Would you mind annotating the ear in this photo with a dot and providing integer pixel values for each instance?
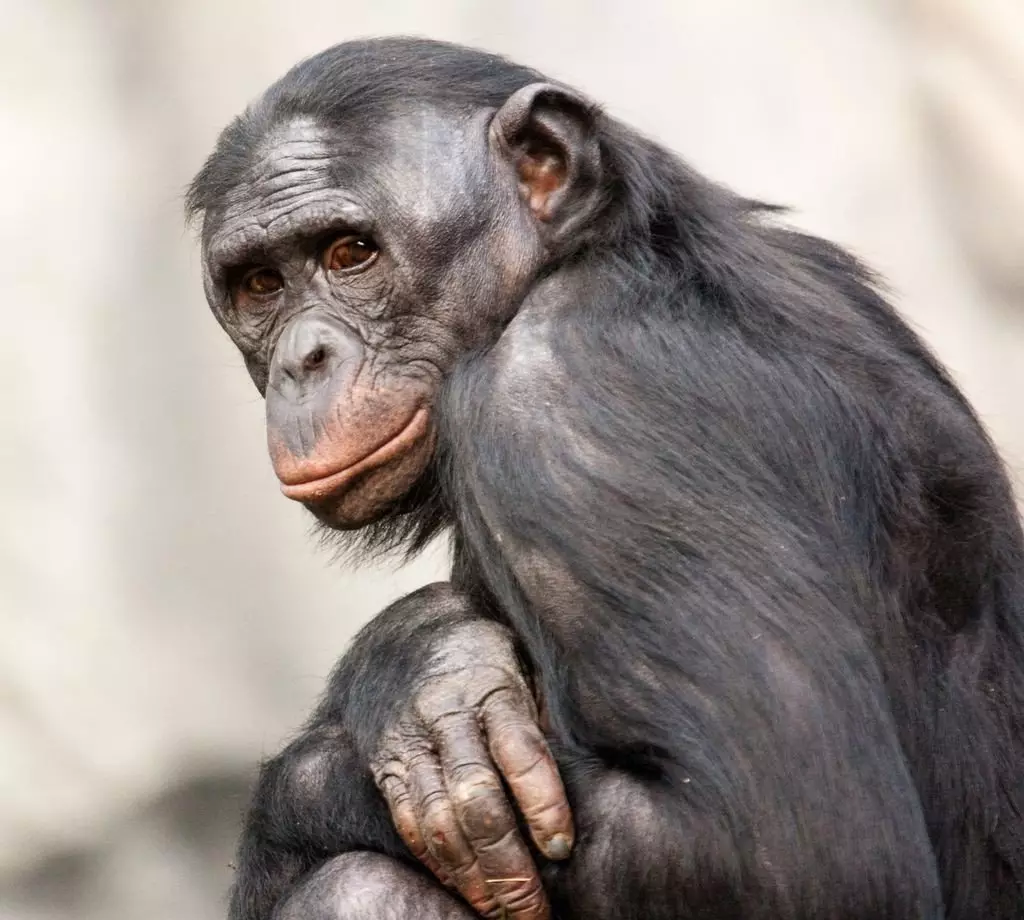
(549, 135)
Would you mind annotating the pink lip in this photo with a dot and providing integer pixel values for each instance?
(325, 486)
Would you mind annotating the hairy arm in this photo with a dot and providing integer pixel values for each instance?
(423, 720)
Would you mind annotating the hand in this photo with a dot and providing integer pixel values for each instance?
(472, 720)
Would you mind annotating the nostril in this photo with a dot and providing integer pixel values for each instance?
(314, 359)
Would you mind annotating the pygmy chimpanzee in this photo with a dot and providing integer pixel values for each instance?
(714, 508)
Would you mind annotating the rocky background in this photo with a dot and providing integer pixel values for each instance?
(165, 618)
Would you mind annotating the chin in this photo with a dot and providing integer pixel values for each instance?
(350, 511)
(360, 527)
(371, 496)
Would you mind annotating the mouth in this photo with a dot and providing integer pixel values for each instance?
(315, 490)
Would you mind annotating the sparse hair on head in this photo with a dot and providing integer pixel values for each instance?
(374, 75)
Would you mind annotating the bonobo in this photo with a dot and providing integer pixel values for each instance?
(737, 574)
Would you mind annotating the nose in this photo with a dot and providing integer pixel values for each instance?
(311, 351)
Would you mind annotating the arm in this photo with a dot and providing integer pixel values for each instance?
(427, 705)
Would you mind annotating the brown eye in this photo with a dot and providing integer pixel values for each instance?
(261, 282)
(349, 252)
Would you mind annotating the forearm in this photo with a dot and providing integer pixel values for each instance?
(314, 800)
(422, 720)
(317, 798)
(382, 665)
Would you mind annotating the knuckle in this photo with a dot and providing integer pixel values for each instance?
(425, 708)
(406, 826)
(398, 796)
(497, 675)
(441, 837)
(443, 715)
(524, 761)
(386, 772)
(482, 809)
(503, 847)
(398, 799)
(514, 731)
(418, 759)
(435, 805)
(524, 900)
(486, 826)
(547, 814)
(504, 701)
(477, 892)
(517, 723)
(410, 833)
(474, 783)
(398, 750)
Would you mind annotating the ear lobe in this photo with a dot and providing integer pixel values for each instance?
(548, 133)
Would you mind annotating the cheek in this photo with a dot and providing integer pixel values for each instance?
(517, 254)
(464, 262)
(498, 271)
(476, 294)
(428, 247)
(366, 300)
(253, 336)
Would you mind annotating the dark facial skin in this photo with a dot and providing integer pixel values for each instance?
(350, 296)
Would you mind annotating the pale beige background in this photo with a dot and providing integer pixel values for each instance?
(164, 619)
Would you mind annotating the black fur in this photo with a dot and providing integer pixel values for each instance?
(794, 686)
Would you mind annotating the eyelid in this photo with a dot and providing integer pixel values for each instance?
(366, 238)
(260, 269)
(234, 275)
(239, 299)
(336, 234)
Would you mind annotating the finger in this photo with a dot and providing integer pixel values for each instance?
(443, 837)
(403, 814)
(518, 748)
(488, 821)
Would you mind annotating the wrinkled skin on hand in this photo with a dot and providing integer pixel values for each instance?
(471, 724)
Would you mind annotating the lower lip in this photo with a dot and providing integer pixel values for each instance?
(326, 486)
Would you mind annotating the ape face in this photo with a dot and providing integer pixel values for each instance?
(353, 264)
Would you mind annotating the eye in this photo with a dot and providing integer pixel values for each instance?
(261, 282)
(349, 252)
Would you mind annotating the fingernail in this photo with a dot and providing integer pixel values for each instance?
(558, 847)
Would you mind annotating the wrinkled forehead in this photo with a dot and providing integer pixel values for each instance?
(416, 163)
(300, 157)
(414, 146)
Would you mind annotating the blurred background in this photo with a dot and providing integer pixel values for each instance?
(165, 619)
